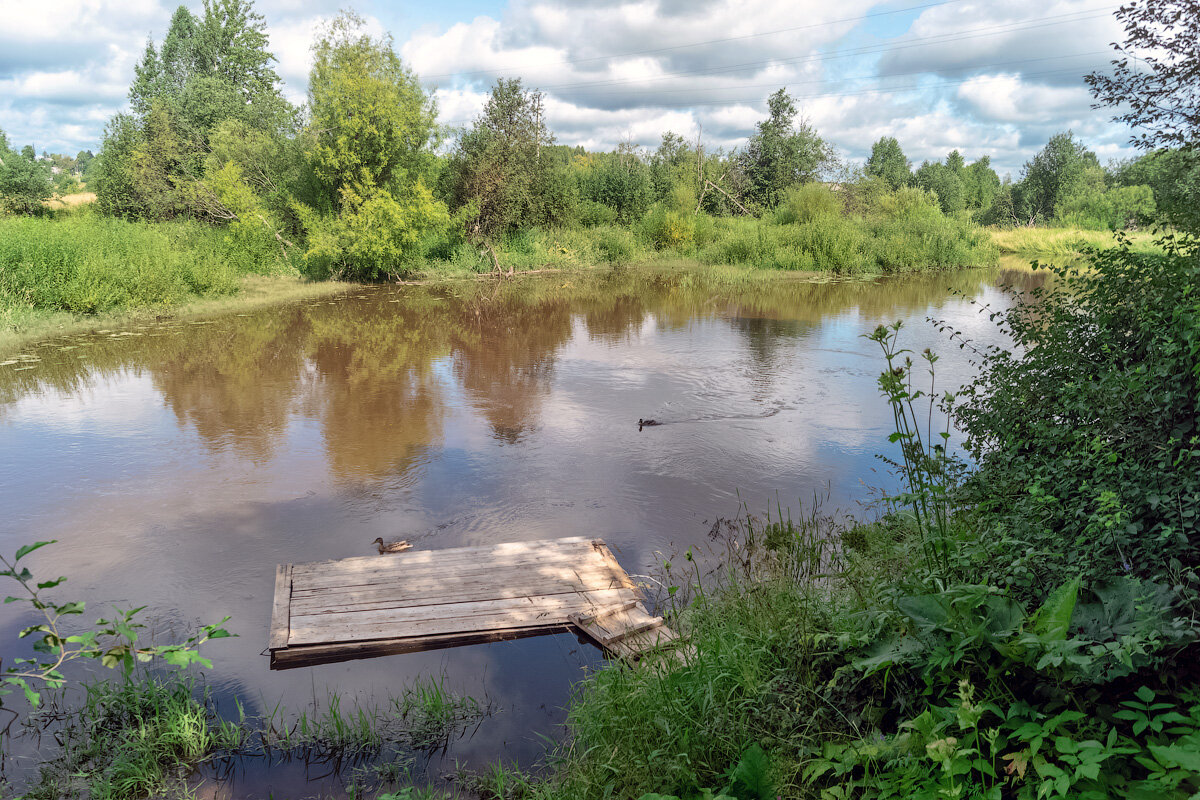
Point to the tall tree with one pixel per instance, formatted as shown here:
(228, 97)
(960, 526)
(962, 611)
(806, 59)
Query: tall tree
(887, 162)
(497, 167)
(782, 152)
(370, 138)
(1055, 173)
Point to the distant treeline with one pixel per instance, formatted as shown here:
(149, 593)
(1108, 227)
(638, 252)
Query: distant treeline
(363, 182)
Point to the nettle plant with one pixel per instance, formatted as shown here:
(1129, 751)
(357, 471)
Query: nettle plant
(56, 643)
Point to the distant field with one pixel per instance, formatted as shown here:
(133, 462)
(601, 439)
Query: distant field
(1062, 242)
(72, 200)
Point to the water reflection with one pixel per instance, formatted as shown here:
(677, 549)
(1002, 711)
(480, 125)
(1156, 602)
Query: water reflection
(179, 463)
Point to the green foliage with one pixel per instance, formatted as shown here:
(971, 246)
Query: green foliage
(1174, 176)
(24, 181)
(945, 183)
(112, 642)
(1119, 208)
(85, 264)
(1058, 171)
(368, 146)
(1103, 478)
(619, 181)
(782, 153)
(887, 162)
(807, 203)
(497, 165)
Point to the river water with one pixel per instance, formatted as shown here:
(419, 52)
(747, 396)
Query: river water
(178, 463)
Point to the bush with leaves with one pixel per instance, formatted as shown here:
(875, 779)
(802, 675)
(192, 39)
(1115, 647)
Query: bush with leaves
(56, 644)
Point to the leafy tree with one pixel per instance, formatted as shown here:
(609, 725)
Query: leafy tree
(620, 180)
(1157, 73)
(370, 140)
(672, 163)
(497, 168)
(943, 182)
(980, 183)
(1174, 176)
(209, 68)
(24, 180)
(887, 162)
(955, 162)
(1058, 171)
(782, 153)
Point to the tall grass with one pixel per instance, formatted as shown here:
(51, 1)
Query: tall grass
(84, 264)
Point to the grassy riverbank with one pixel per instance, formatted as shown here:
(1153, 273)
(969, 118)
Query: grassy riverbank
(1058, 243)
(1026, 629)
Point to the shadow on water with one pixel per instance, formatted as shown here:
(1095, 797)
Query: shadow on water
(178, 463)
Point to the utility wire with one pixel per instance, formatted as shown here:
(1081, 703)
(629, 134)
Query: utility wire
(971, 33)
(701, 43)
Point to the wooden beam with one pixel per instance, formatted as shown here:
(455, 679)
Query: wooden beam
(281, 607)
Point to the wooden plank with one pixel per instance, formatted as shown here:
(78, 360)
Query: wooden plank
(586, 619)
(281, 607)
(608, 629)
(315, 654)
(449, 618)
(401, 594)
(543, 547)
(600, 547)
(526, 573)
(387, 569)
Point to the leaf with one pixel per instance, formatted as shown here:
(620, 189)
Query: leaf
(1053, 618)
(25, 550)
(1187, 758)
(927, 610)
(751, 778)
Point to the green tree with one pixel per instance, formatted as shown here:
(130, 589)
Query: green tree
(944, 182)
(980, 184)
(369, 146)
(782, 153)
(496, 168)
(24, 180)
(1058, 171)
(887, 162)
(620, 180)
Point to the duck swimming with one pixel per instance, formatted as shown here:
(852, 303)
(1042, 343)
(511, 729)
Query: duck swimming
(391, 547)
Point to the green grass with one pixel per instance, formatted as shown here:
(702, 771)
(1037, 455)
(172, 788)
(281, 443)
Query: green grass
(1063, 243)
(86, 264)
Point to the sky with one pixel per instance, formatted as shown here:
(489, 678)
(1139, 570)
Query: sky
(985, 78)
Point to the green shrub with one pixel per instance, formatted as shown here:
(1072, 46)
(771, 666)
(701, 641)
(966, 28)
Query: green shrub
(1087, 434)
(86, 264)
(807, 202)
(665, 228)
(615, 245)
(592, 213)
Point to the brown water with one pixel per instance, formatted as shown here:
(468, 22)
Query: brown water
(178, 463)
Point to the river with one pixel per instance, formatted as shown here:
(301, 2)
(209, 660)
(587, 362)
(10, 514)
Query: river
(177, 463)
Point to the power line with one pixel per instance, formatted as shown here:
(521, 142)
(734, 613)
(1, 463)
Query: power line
(698, 44)
(848, 78)
(970, 33)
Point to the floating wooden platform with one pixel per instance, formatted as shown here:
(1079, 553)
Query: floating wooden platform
(329, 611)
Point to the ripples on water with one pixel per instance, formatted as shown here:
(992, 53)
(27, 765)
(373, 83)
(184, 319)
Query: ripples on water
(178, 463)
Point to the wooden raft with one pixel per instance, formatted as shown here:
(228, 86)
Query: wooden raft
(329, 611)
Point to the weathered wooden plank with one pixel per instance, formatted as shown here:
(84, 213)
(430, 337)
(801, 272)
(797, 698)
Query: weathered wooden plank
(388, 569)
(432, 592)
(600, 547)
(315, 654)
(543, 547)
(281, 607)
(526, 573)
(450, 618)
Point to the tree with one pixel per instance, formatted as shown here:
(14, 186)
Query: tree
(1058, 171)
(620, 180)
(887, 162)
(24, 180)
(980, 184)
(496, 167)
(370, 145)
(1157, 73)
(943, 182)
(1155, 79)
(782, 153)
(209, 68)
